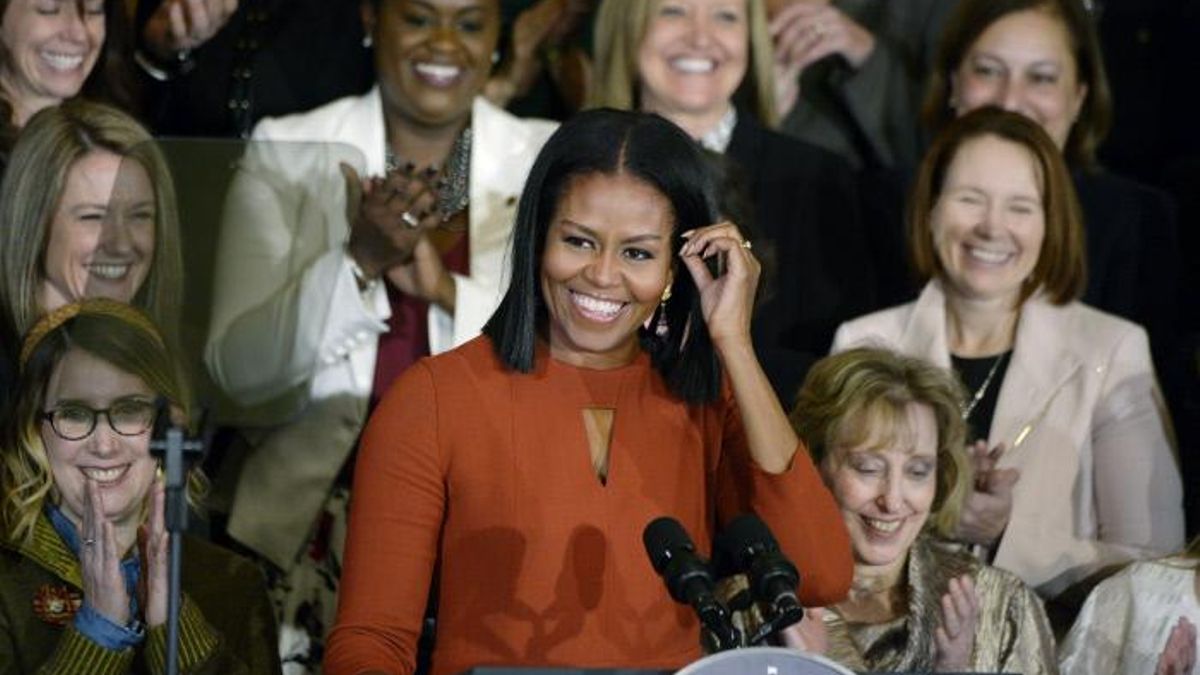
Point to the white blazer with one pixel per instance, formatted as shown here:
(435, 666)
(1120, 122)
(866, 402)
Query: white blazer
(1081, 416)
(292, 339)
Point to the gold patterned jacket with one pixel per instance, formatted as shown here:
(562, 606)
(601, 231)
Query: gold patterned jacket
(226, 622)
(1012, 633)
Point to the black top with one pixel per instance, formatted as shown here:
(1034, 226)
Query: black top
(982, 378)
(805, 212)
(274, 57)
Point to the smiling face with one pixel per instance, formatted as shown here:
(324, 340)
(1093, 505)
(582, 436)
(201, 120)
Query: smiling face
(989, 221)
(885, 488)
(606, 263)
(693, 57)
(432, 56)
(102, 233)
(1023, 62)
(120, 465)
(49, 49)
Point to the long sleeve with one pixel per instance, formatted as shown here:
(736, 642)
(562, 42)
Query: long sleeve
(1026, 642)
(798, 508)
(395, 521)
(1094, 645)
(286, 304)
(1138, 490)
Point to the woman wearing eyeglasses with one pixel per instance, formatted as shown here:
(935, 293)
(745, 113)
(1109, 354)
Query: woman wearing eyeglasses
(83, 545)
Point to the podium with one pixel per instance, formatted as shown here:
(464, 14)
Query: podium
(749, 661)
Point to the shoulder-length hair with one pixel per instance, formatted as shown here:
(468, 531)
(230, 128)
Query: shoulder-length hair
(1061, 269)
(862, 396)
(50, 145)
(619, 29)
(650, 149)
(111, 331)
(111, 80)
(972, 17)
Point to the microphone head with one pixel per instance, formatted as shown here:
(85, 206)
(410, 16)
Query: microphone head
(663, 538)
(739, 542)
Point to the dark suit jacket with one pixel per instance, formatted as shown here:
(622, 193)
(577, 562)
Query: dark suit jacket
(805, 210)
(274, 57)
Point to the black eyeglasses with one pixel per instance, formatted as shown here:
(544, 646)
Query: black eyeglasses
(75, 422)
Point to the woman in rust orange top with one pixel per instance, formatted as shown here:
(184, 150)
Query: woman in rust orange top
(616, 383)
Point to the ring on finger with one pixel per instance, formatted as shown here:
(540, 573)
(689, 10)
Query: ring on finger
(89, 542)
(746, 244)
(410, 221)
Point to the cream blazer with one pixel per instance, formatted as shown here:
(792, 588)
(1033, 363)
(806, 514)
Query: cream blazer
(292, 340)
(1081, 416)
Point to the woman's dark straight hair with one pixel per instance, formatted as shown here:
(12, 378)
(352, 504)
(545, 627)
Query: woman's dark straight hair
(653, 150)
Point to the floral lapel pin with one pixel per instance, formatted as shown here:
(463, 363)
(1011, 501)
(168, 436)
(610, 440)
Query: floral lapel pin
(56, 605)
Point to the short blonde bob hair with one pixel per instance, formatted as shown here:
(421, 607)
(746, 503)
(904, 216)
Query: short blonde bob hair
(620, 27)
(48, 148)
(862, 395)
(1061, 269)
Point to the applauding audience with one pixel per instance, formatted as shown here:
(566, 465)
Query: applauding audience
(1075, 470)
(84, 548)
(887, 433)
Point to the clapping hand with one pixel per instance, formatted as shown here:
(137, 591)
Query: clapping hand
(1179, 653)
(954, 638)
(804, 33)
(727, 298)
(809, 635)
(100, 560)
(178, 25)
(987, 508)
(387, 216)
(155, 555)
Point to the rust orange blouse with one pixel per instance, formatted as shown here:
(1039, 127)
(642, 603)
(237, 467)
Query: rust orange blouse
(487, 473)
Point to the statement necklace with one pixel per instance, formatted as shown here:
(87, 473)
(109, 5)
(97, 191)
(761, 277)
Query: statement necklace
(453, 186)
(969, 406)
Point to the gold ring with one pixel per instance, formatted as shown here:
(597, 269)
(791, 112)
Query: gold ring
(747, 245)
(410, 220)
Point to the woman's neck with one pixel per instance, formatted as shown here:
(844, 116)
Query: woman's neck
(878, 593)
(22, 107)
(695, 125)
(421, 145)
(977, 328)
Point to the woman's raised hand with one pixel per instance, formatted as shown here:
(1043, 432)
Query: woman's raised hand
(1178, 656)
(100, 560)
(726, 298)
(987, 508)
(155, 555)
(391, 216)
(177, 25)
(954, 637)
(809, 635)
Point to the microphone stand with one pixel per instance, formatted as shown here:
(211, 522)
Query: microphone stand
(177, 452)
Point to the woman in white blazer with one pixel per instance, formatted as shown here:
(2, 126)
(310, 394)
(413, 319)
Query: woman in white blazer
(321, 264)
(1078, 473)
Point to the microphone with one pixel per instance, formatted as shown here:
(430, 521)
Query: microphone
(747, 545)
(688, 578)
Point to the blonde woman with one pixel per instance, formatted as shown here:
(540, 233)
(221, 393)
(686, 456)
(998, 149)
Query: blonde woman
(83, 545)
(706, 66)
(886, 433)
(89, 209)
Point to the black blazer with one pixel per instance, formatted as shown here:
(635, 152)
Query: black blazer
(806, 221)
